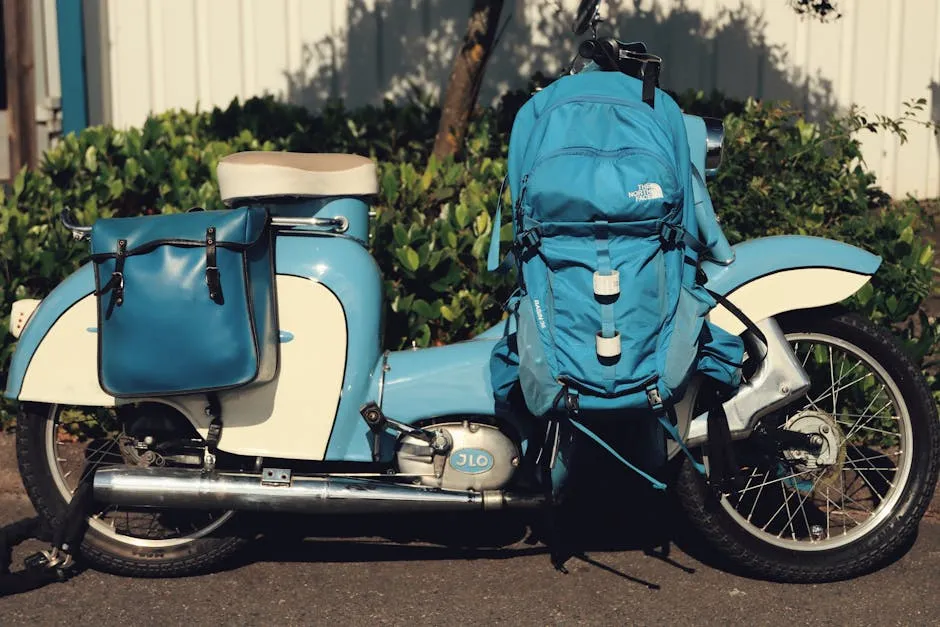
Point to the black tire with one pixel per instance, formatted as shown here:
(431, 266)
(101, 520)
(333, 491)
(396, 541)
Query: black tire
(101, 551)
(745, 551)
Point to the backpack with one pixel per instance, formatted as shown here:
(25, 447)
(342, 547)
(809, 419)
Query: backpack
(605, 242)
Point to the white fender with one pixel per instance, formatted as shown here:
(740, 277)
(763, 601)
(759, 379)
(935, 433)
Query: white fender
(290, 417)
(788, 290)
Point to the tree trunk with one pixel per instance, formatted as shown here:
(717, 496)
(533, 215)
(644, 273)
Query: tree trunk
(466, 76)
(21, 84)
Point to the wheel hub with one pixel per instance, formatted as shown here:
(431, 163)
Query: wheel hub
(824, 433)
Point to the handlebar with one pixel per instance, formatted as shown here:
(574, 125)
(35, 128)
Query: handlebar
(78, 232)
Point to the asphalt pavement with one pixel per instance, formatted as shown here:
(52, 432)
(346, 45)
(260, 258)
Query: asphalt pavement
(358, 578)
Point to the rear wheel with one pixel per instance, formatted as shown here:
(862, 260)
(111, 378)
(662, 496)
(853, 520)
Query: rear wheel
(848, 498)
(55, 445)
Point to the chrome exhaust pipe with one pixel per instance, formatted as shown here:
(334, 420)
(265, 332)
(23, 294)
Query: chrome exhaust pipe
(183, 488)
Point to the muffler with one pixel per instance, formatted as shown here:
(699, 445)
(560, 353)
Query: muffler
(183, 488)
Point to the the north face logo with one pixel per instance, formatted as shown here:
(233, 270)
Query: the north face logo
(647, 191)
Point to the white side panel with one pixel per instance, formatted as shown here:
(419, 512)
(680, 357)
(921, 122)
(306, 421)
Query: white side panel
(293, 415)
(64, 368)
(787, 291)
(290, 417)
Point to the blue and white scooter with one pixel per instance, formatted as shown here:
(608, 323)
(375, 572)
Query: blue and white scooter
(836, 432)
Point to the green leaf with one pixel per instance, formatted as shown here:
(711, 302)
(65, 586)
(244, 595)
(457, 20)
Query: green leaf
(424, 309)
(907, 235)
(462, 215)
(91, 159)
(865, 293)
(408, 258)
(400, 234)
(448, 314)
(19, 183)
(926, 256)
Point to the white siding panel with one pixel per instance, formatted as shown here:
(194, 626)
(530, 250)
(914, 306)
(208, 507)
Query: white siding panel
(180, 53)
(180, 56)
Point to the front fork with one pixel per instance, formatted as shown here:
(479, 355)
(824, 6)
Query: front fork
(778, 381)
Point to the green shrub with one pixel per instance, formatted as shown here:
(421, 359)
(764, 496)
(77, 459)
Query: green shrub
(780, 175)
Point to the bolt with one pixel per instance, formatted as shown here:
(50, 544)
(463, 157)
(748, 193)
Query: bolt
(784, 389)
(473, 427)
(825, 429)
(515, 461)
(148, 440)
(816, 439)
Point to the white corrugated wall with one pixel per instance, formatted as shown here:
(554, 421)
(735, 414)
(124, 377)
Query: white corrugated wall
(184, 53)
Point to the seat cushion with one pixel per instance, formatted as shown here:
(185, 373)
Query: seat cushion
(265, 174)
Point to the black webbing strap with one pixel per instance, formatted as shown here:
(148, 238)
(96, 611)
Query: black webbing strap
(214, 411)
(740, 315)
(649, 74)
(213, 280)
(115, 284)
(58, 562)
(723, 470)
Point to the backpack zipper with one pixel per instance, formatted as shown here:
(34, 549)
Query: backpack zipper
(600, 100)
(588, 151)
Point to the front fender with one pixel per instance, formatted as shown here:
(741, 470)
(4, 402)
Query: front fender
(771, 275)
(59, 343)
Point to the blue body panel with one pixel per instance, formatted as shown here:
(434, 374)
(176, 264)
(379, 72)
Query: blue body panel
(449, 381)
(711, 235)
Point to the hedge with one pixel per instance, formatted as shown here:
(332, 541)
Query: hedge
(780, 174)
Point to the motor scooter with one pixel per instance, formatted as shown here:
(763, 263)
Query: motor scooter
(835, 431)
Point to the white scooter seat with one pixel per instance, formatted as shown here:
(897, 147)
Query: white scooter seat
(261, 174)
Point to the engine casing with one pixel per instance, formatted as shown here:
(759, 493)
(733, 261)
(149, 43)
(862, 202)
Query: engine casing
(481, 457)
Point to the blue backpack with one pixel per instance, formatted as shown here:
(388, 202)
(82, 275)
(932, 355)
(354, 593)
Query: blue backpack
(605, 242)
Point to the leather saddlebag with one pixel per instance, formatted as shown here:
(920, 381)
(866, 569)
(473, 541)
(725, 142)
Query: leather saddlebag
(186, 302)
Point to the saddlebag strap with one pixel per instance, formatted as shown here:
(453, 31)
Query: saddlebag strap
(214, 412)
(115, 284)
(213, 280)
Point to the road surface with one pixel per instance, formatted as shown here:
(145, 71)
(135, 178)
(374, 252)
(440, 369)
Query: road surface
(288, 580)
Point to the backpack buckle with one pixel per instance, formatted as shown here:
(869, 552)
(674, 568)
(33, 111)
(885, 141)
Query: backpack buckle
(670, 233)
(530, 238)
(653, 397)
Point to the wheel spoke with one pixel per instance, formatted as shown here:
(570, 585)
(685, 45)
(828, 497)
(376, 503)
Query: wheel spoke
(779, 480)
(872, 429)
(833, 391)
(757, 498)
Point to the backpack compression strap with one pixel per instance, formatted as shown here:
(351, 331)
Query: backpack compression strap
(572, 405)
(492, 258)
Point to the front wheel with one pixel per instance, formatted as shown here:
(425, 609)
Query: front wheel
(847, 497)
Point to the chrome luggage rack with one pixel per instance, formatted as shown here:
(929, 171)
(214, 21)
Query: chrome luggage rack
(339, 224)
